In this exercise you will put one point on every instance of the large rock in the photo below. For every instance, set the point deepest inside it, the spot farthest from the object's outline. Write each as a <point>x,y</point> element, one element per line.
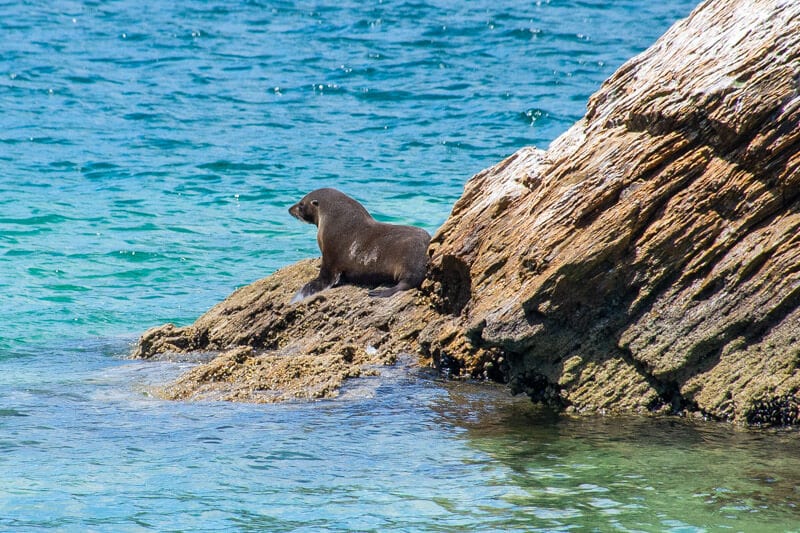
<point>649,260</point>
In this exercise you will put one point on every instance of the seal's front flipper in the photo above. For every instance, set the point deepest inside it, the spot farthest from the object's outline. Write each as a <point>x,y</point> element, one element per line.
<point>321,282</point>
<point>300,295</point>
<point>313,286</point>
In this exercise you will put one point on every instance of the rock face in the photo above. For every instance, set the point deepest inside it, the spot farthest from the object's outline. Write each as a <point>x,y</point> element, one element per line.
<point>651,257</point>
<point>649,260</point>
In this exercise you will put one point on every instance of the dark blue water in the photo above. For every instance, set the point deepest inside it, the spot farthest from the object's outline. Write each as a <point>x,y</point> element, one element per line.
<point>148,154</point>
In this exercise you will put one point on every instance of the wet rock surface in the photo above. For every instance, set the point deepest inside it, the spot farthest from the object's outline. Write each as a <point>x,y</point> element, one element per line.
<point>648,261</point>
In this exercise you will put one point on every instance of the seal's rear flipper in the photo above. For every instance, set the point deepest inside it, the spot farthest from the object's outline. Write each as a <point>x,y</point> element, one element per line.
<point>385,293</point>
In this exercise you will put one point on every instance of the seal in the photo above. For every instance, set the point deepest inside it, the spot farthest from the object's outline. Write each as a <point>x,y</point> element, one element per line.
<point>357,248</point>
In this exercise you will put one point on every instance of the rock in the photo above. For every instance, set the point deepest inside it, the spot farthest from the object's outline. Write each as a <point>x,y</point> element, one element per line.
<point>648,261</point>
<point>270,350</point>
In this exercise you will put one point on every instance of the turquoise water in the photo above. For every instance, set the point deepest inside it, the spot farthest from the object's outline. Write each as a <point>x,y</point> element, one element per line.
<point>148,154</point>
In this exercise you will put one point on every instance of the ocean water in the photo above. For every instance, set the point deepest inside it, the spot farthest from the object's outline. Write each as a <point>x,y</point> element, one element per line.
<point>148,154</point>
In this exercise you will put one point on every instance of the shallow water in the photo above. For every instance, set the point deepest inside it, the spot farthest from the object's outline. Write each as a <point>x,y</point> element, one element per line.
<point>148,154</point>
<point>91,449</point>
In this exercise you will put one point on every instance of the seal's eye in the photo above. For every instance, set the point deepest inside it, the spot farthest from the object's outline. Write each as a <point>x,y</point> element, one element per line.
<point>315,203</point>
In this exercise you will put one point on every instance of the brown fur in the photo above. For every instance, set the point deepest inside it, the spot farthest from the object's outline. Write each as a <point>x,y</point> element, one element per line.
<point>357,248</point>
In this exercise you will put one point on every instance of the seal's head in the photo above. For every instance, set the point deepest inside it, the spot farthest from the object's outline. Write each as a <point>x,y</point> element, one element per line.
<point>306,210</point>
<point>329,204</point>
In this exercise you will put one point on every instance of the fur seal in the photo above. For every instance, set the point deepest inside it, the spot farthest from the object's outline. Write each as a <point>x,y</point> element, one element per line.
<point>357,248</point>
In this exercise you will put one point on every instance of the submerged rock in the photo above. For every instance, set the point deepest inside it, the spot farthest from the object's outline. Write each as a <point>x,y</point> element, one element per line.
<point>649,260</point>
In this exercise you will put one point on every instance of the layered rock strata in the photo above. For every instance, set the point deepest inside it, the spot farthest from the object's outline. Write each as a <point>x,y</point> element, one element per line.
<point>649,260</point>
